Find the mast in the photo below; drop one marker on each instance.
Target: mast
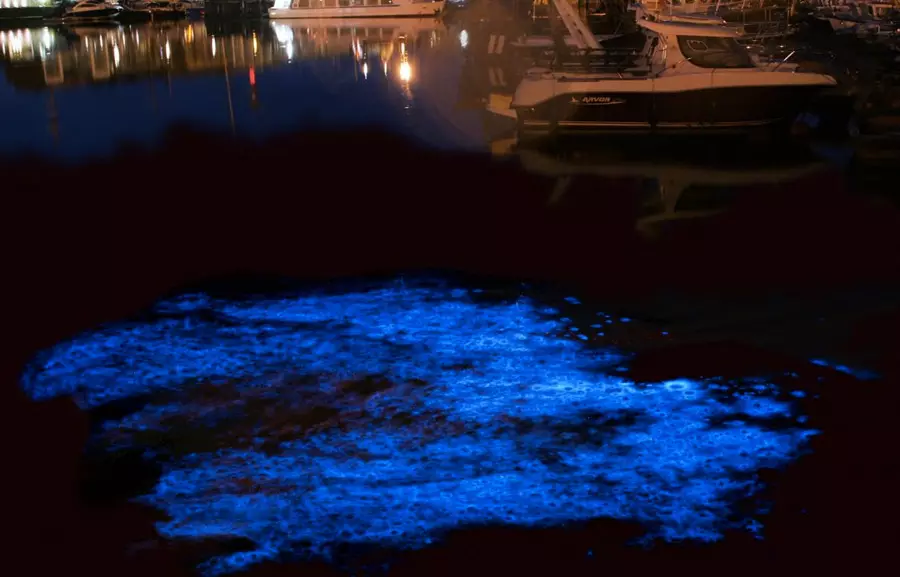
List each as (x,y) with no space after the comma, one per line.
(577,28)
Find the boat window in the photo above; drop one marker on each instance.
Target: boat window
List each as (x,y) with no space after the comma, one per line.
(371,2)
(714,52)
(344,3)
(330,3)
(300,4)
(386,2)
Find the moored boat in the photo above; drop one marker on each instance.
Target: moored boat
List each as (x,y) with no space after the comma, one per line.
(160,9)
(682,76)
(92,11)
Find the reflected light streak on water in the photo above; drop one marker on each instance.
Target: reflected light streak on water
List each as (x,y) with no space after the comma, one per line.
(308,77)
(428,403)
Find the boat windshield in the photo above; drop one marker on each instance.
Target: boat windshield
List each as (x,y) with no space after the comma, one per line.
(714,52)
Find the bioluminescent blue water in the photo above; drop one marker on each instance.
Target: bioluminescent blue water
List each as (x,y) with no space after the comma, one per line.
(861,374)
(392,415)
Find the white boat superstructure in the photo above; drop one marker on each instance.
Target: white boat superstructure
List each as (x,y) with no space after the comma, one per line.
(317,9)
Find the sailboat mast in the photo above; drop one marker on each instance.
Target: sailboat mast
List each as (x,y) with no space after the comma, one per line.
(578,29)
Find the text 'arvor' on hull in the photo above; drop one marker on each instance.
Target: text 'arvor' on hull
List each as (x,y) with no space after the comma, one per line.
(596,101)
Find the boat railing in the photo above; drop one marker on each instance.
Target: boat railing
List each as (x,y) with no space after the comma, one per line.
(786,58)
(599,61)
(603,59)
(679,63)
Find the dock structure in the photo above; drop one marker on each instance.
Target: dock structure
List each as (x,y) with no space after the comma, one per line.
(238,8)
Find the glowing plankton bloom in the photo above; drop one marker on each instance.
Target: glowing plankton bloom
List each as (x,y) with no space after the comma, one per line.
(392,415)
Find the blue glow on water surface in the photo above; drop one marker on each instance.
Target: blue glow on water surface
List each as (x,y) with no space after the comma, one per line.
(392,415)
(861,374)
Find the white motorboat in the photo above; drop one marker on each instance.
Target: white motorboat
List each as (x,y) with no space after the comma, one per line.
(665,77)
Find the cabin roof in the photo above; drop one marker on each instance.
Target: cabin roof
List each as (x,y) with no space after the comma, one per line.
(688,29)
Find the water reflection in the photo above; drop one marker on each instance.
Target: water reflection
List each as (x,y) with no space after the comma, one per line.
(38,58)
(82,90)
(675,184)
(258,79)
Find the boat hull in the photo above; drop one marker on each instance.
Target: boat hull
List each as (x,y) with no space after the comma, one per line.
(710,109)
(416,10)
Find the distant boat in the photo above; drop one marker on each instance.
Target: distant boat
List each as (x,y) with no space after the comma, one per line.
(161,9)
(92,11)
(134,12)
(355,8)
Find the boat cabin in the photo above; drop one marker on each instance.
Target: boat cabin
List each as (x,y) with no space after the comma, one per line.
(669,76)
(700,45)
(659,47)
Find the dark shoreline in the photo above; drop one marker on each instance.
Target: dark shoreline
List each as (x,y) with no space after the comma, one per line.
(28,17)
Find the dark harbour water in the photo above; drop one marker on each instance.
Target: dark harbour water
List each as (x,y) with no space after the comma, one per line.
(81,92)
(434,425)
(364,423)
